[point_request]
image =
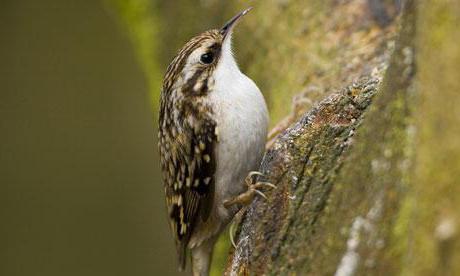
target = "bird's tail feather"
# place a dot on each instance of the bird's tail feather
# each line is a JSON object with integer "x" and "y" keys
{"x": 201, "y": 258}
{"x": 182, "y": 257}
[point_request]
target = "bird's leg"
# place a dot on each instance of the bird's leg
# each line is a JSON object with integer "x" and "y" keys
{"x": 253, "y": 189}
{"x": 245, "y": 199}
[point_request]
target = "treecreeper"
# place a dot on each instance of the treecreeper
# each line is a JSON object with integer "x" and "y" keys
{"x": 213, "y": 125}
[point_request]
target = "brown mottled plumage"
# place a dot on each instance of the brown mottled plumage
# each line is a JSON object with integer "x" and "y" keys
{"x": 203, "y": 94}
{"x": 187, "y": 136}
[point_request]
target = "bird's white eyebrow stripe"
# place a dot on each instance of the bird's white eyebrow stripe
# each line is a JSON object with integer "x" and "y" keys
{"x": 180, "y": 59}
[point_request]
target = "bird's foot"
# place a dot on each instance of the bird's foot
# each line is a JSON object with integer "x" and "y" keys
{"x": 246, "y": 197}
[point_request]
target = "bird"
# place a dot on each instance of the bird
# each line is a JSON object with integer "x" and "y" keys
{"x": 213, "y": 123}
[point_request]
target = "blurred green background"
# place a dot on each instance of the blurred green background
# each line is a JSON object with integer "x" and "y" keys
{"x": 80, "y": 188}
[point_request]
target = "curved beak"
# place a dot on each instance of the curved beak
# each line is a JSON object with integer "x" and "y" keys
{"x": 228, "y": 27}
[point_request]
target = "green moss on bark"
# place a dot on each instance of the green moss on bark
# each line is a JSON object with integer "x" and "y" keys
{"x": 387, "y": 205}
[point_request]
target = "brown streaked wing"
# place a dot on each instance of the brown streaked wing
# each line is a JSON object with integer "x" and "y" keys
{"x": 188, "y": 165}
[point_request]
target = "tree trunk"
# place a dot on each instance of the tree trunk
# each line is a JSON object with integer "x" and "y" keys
{"x": 364, "y": 184}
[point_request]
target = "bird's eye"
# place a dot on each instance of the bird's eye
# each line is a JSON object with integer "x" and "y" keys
{"x": 207, "y": 58}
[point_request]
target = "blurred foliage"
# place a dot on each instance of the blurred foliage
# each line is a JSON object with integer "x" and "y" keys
{"x": 436, "y": 191}
{"x": 139, "y": 18}
{"x": 80, "y": 192}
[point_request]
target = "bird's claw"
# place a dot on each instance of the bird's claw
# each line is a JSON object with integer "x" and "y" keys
{"x": 231, "y": 232}
{"x": 259, "y": 184}
{"x": 262, "y": 184}
{"x": 252, "y": 173}
{"x": 246, "y": 197}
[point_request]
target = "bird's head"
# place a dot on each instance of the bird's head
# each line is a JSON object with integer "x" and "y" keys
{"x": 195, "y": 67}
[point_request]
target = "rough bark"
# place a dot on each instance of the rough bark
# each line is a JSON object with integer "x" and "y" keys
{"x": 347, "y": 199}
{"x": 281, "y": 234}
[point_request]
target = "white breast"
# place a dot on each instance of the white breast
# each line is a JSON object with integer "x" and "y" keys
{"x": 242, "y": 120}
